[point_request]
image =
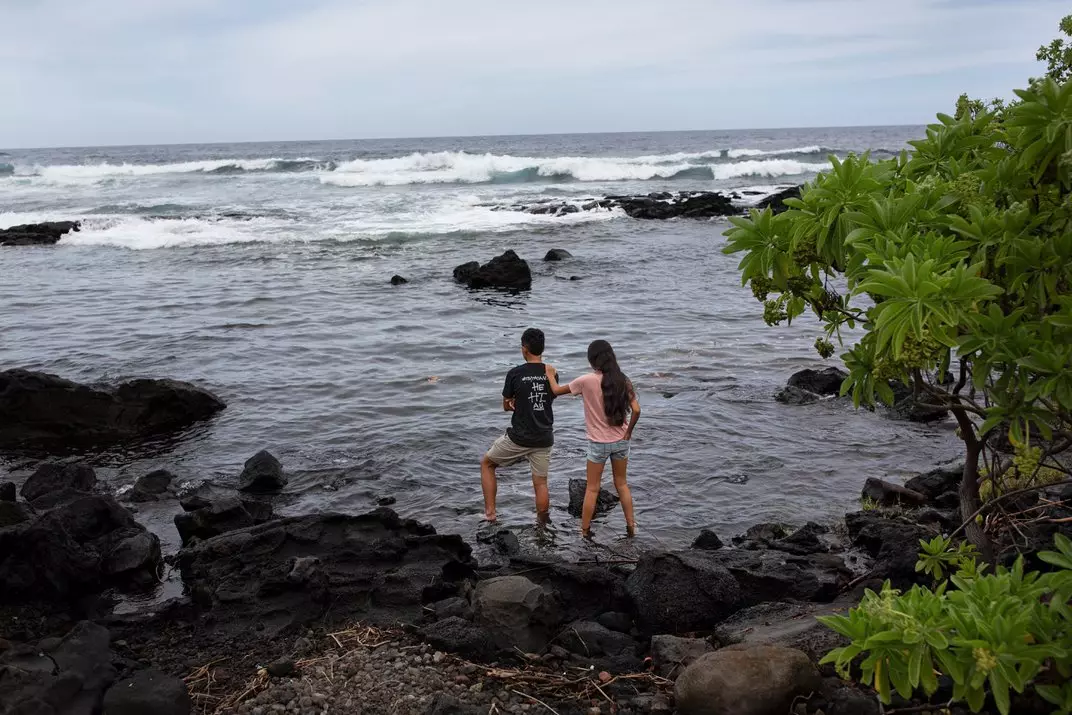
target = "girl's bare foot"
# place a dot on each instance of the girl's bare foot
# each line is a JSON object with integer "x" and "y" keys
{"x": 490, "y": 518}
{"x": 586, "y": 533}
{"x": 631, "y": 530}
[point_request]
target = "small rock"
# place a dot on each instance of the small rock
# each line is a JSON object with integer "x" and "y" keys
{"x": 557, "y": 254}
{"x": 262, "y": 473}
{"x": 386, "y": 501}
{"x": 7, "y": 491}
{"x": 615, "y": 621}
{"x": 281, "y": 668}
{"x": 707, "y": 541}
{"x": 439, "y": 657}
{"x": 151, "y": 486}
{"x": 793, "y": 395}
{"x": 826, "y": 382}
{"x": 671, "y": 654}
{"x": 398, "y": 281}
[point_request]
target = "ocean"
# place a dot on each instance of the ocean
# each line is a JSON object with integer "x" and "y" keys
{"x": 261, "y": 271}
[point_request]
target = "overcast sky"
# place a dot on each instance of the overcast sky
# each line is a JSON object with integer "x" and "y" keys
{"x": 92, "y": 72}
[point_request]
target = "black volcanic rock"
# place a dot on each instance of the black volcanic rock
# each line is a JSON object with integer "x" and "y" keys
{"x": 508, "y": 271}
{"x": 37, "y": 234}
{"x": 40, "y": 411}
{"x": 776, "y": 202}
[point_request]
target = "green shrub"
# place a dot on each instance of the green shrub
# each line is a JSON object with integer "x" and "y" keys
{"x": 990, "y": 633}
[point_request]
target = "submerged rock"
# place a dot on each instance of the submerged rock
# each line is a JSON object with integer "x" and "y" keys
{"x": 826, "y": 382}
{"x": 398, "y": 281}
{"x": 37, "y": 234}
{"x": 45, "y": 412}
{"x": 557, "y": 254}
{"x": 508, "y": 271}
{"x": 698, "y": 204}
{"x": 151, "y": 486}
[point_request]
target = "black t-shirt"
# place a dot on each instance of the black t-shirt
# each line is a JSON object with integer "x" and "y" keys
{"x": 533, "y": 421}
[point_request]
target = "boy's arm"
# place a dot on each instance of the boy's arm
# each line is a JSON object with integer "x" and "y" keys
{"x": 552, "y": 381}
{"x": 508, "y": 394}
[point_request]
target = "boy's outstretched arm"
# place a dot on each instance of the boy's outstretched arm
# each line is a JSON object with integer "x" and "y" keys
{"x": 552, "y": 381}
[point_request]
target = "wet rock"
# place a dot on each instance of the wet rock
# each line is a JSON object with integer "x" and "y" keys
{"x": 887, "y": 494}
{"x": 682, "y": 592}
{"x": 37, "y": 234}
{"x": 707, "y": 541}
{"x": 12, "y": 513}
{"x": 670, "y": 654}
{"x": 78, "y": 548}
{"x": 805, "y": 540}
{"x": 7, "y": 491}
{"x": 398, "y": 281}
{"x": 515, "y": 612}
{"x": 604, "y": 504}
{"x": 793, "y": 395}
{"x": 592, "y": 640}
{"x": 375, "y": 567}
{"x": 557, "y": 254}
{"x": 936, "y": 482}
{"x": 44, "y": 412}
{"x": 457, "y": 635}
{"x": 148, "y": 692}
{"x": 151, "y": 486}
{"x": 450, "y": 607}
{"x": 219, "y": 518}
{"x": 262, "y": 473}
{"x": 761, "y": 680}
{"x": 776, "y": 202}
{"x": 500, "y": 538}
{"x": 696, "y": 205}
{"x": 386, "y": 501}
{"x": 826, "y": 382}
{"x": 508, "y": 271}
{"x": 56, "y": 477}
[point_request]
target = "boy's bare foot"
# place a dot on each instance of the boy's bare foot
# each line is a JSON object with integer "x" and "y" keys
{"x": 631, "y": 530}
{"x": 490, "y": 518}
{"x": 586, "y": 533}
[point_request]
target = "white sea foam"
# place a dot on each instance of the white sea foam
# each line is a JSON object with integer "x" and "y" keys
{"x": 89, "y": 173}
{"x": 740, "y": 153}
{"x": 465, "y": 168}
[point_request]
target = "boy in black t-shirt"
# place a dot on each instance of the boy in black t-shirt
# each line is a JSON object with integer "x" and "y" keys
{"x": 531, "y": 433}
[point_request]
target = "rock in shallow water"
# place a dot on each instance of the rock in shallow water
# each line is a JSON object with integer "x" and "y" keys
{"x": 151, "y": 486}
{"x": 508, "y": 271}
{"x": 604, "y": 504}
{"x": 39, "y": 411}
{"x": 56, "y": 477}
{"x": 37, "y": 234}
{"x": 262, "y": 473}
{"x": 826, "y": 382}
{"x": 557, "y": 254}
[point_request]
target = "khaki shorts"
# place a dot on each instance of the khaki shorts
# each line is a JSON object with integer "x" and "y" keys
{"x": 504, "y": 452}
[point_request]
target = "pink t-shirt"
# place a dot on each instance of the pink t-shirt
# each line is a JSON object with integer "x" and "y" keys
{"x": 590, "y": 388}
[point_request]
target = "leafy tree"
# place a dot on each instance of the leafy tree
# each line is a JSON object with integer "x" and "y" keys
{"x": 954, "y": 261}
{"x": 1058, "y": 54}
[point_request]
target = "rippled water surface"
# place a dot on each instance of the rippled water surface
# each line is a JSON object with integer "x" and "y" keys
{"x": 268, "y": 283}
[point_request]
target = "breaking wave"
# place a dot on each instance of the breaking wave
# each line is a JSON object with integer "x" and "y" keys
{"x": 457, "y": 167}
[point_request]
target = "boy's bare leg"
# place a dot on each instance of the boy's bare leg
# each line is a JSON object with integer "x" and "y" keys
{"x": 594, "y": 475}
{"x": 618, "y": 468}
{"x": 543, "y": 499}
{"x": 489, "y": 484}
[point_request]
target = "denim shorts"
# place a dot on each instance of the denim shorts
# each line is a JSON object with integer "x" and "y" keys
{"x": 598, "y": 452}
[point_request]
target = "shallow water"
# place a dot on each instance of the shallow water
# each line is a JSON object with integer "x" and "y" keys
{"x": 363, "y": 389}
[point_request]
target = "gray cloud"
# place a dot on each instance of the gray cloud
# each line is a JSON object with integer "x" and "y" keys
{"x": 144, "y": 71}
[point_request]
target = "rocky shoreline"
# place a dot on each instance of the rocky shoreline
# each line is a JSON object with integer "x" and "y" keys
{"x": 375, "y": 613}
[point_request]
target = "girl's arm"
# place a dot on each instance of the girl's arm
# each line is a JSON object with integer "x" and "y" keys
{"x": 552, "y": 382}
{"x": 634, "y": 408}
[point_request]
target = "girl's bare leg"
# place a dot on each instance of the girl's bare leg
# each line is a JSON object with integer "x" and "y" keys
{"x": 618, "y": 468}
{"x": 594, "y": 474}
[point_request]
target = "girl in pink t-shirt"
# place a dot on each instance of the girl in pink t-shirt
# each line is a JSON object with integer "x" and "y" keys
{"x": 608, "y": 399}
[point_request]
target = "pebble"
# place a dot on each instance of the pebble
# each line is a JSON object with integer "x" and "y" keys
{"x": 439, "y": 657}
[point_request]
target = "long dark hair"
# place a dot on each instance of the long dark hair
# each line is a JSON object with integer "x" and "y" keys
{"x": 617, "y": 391}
